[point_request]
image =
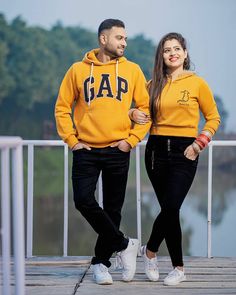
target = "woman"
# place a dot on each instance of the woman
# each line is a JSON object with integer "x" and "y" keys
{"x": 171, "y": 158}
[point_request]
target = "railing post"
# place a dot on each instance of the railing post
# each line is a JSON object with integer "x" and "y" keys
{"x": 15, "y": 144}
{"x": 209, "y": 203}
{"x": 6, "y": 226}
{"x": 138, "y": 194}
{"x": 30, "y": 201}
{"x": 18, "y": 219}
{"x": 65, "y": 233}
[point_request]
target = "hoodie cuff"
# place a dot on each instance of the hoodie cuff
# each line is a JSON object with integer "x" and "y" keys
{"x": 132, "y": 140}
{"x": 71, "y": 141}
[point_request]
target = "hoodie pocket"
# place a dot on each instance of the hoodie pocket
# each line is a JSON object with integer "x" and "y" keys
{"x": 105, "y": 121}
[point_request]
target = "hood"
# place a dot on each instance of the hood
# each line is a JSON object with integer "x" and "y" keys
{"x": 90, "y": 58}
{"x": 182, "y": 76}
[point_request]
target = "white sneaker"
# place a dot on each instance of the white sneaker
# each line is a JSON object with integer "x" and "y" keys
{"x": 150, "y": 265}
{"x": 175, "y": 277}
{"x": 128, "y": 259}
{"x": 101, "y": 274}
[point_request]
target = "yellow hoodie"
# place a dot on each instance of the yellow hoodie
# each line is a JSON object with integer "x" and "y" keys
{"x": 100, "y": 95}
{"x": 179, "y": 106}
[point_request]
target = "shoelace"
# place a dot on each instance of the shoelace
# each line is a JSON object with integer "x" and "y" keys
{"x": 118, "y": 265}
{"x": 103, "y": 268}
{"x": 152, "y": 265}
{"x": 174, "y": 273}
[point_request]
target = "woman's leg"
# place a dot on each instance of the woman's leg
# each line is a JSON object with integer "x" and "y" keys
{"x": 171, "y": 175}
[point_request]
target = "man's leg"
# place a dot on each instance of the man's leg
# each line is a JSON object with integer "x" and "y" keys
{"x": 85, "y": 173}
{"x": 114, "y": 177}
{"x": 114, "y": 174}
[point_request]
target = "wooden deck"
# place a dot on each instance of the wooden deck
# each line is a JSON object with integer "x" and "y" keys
{"x": 204, "y": 276}
{"x": 72, "y": 275}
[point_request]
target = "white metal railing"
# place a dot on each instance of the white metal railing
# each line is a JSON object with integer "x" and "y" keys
{"x": 209, "y": 203}
{"x": 14, "y": 144}
{"x": 30, "y": 192}
{"x": 209, "y": 188}
{"x": 32, "y": 143}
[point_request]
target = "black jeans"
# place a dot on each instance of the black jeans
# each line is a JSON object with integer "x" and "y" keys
{"x": 86, "y": 168}
{"x": 171, "y": 175}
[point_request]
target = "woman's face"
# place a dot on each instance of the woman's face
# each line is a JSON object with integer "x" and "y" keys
{"x": 174, "y": 55}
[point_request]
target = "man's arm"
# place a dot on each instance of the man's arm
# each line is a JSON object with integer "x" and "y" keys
{"x": 63, "y": 109}
{"x": 141, "y": 99}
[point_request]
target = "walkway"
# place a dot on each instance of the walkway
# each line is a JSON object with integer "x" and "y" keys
{"x": 72, "y": 275}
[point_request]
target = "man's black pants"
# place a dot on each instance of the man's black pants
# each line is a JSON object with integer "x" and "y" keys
{"x": 86, "y": 168}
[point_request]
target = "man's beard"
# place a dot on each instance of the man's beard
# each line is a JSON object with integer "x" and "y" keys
{"x": 112, "y": 52}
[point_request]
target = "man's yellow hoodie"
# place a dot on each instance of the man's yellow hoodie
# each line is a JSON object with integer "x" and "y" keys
{"x": 94, "y": 100}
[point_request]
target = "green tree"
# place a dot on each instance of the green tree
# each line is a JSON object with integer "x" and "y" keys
{"x": 33, "y": 62}
{"x": 223, "y": 113}
{"x": 141, "y": 51}
{"x": 7, "y": 81}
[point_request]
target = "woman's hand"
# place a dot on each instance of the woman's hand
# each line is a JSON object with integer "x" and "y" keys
{"x": 190, "y": 153}
{"x": 139, "y": 117}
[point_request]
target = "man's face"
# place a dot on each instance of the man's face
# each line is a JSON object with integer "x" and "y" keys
{"x": 114, "y": 41}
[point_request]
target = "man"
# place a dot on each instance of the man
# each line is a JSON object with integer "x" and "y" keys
{"x": 98, "y": 91}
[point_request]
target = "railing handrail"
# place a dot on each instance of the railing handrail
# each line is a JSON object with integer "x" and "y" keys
{"x": 30, "y": 192}
{"x": 43, "y": 142}
{"x": 10, "y": 141}
{"x": 14, "y": 144}
{"x": 32, "y": 143}
{"x": 222, "y": 143}
{"x": 213, "y": 143}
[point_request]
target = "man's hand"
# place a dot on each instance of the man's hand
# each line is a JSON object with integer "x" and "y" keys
{"x": 81, "y": 145}
{"x": 122, "y": 145}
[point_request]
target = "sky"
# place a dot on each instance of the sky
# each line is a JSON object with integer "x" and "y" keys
{"x": 208, "y": 25}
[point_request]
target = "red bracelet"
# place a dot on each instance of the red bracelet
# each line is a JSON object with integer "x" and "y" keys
{"x": 202, "y": 140}
{"x": 204, "y": 137}
{"x": 200, "y": 144}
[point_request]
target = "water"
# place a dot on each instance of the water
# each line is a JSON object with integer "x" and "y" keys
{"x": 223, "y": 237}
{"x": 48, "y": 211}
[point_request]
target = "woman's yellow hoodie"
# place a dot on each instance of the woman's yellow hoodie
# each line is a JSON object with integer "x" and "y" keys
{"x": 94, "y": 100}
{"x": 180, "y": 105}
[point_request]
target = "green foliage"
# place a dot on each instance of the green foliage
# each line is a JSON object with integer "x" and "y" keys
{"x": 33, "y": 62}
{"x": 222, "y": 111}
{"x": 6, "y": 80}
{"x": 223, "y": 116}
{"x": 141, "y": 51}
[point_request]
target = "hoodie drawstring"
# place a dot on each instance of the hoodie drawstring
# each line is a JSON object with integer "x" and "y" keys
{"x": 117, "y": 63}
{"x": 90, "y": 78}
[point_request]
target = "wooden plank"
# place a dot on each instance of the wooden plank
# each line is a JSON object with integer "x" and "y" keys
{"x": 60, "y": 275}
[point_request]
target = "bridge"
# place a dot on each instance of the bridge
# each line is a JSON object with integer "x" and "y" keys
{"x": 25, "y": 274}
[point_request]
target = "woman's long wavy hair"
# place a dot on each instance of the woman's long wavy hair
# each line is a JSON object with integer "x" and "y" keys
{"x": 159, "y": 76}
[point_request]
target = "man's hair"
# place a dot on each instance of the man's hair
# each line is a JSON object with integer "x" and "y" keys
{"x": 107, "y": 24}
